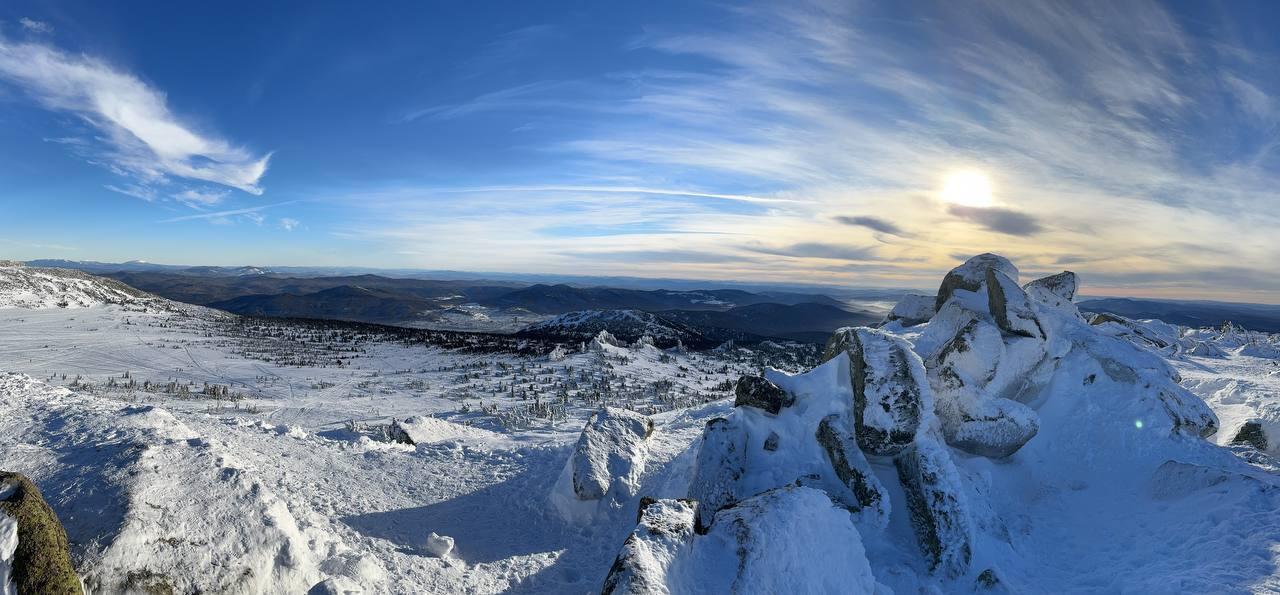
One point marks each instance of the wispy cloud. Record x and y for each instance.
(139, 136)
(251, 214)
(289, 223)
(35, 26)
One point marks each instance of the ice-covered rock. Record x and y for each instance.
(886, 377)
(721, 463)
(912, 309)
(758, 392)
(994, 427)
(850, 466)
(935, 501)
(1055, 291)
(664, 532)
(1010, 306)
(971, 275)
(786, 540)
(606, 463)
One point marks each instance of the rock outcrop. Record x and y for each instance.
(758, 392)
(606, 463)
(42, 560)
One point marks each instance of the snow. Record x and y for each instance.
(8, 545)
(286, 481)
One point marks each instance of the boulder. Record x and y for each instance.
(912, 310)
(610, 453)
(785, 540)
(936, 504)
(722, 460)
(1057, 291)
(1010, 306)
(851, 467)
(990, 427)
(758, 392)
(886, 391)
(972, 274)
(969, 359)
(1251, 434)
(1188, 412)
(663, 532)
(42, 560)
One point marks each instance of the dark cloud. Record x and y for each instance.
(819, 250)
(1000, 220)
(873, 223)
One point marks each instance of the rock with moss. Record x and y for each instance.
(42, 560)
(758, 392)
(971, 275)
(936, 505)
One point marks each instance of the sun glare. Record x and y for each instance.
(969, 188)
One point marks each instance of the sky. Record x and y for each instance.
(859, 144)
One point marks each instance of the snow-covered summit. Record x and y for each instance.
(982, 449)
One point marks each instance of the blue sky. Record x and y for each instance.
(812, 142)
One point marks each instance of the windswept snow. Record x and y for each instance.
(193, 450)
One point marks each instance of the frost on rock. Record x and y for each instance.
(936, 503)
(664, 532)
(1055, 291)
(610, 454)
(786, 540)
(993, 428)
(971, 275)
(758, 392)
(722, 460)
(1010, 306)
(912, 310)
(851, 466)
(886, 378)
(1251, 434)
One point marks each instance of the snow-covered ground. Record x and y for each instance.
(185, 449)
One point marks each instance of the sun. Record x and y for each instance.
(970, 188)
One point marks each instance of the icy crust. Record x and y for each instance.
(606, 464)
(147, 503)
(786, 540)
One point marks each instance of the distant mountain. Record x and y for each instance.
(1258, 317)
(808, 322)
(627, 325)
(357, 304)
(559, 299)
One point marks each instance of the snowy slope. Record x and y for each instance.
(24, 287)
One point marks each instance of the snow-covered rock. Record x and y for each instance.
(421, 429)
(1010, 306)
(438, 545)
(721, 463)
(1056, 291)
(935, 501)
(971, 276)
(912, 309)
(606, 463)
(887, 379)
(786, 540)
